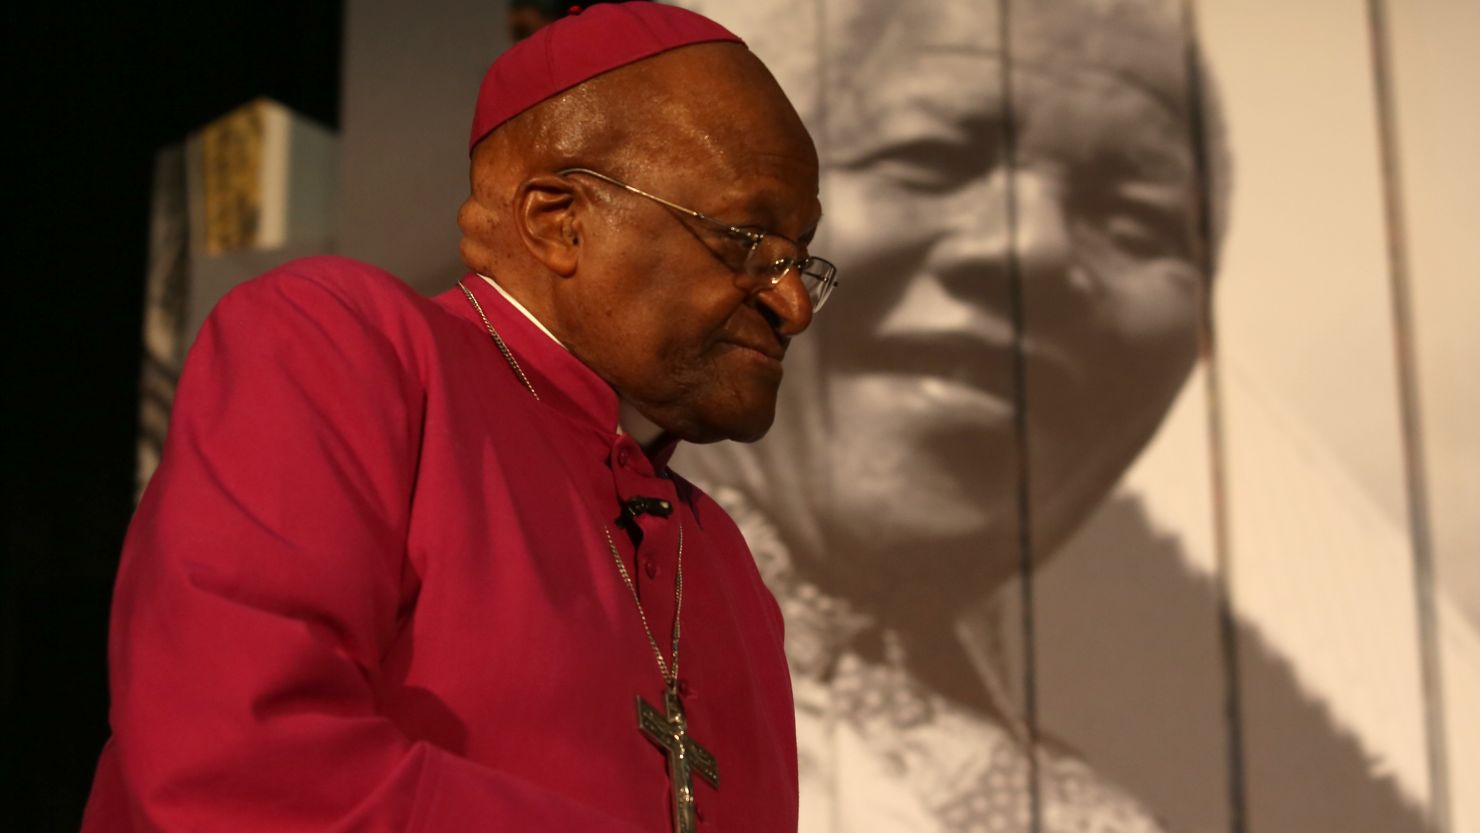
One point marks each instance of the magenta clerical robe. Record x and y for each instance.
(368, 588)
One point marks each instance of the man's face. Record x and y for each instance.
(668, 315)
(923, 346)
(912, 457)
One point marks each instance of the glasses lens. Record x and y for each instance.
(819, 276)
(774, 256)
(770, 258)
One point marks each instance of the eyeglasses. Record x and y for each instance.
(769, 258)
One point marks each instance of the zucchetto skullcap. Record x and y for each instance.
(580, 47)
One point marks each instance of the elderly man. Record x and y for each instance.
(421, 565)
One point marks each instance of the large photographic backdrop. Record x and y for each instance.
(1128, 481)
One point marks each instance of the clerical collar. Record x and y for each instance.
(630, 421)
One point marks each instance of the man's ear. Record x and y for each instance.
(546, 217)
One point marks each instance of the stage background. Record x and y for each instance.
(1241, 633)
(100, 90)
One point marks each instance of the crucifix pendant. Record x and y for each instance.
(670, 732)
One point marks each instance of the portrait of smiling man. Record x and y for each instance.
(414, 564)
(887, 508)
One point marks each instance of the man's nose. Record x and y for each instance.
(1040, 241)
(1012, 226)
(789, 305)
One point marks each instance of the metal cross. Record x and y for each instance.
(685, 756)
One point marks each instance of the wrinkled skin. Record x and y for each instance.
(651, 301)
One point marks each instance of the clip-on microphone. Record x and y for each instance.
(641, 505)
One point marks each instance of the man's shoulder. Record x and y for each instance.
(329, 280)
(332, 292)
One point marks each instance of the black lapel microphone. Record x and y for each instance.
(646, 506)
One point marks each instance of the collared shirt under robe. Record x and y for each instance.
(368, 588)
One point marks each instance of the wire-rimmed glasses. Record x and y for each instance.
(768, 257)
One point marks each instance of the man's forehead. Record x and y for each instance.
(1140, 41)
(720, 117)
(740, 183)
(972, 23)
(944, 84)
(791, 192)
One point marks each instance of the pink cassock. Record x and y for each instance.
(368, 588)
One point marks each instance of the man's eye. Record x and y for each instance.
(731, 249)
(746, 237)
(1144, 230)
